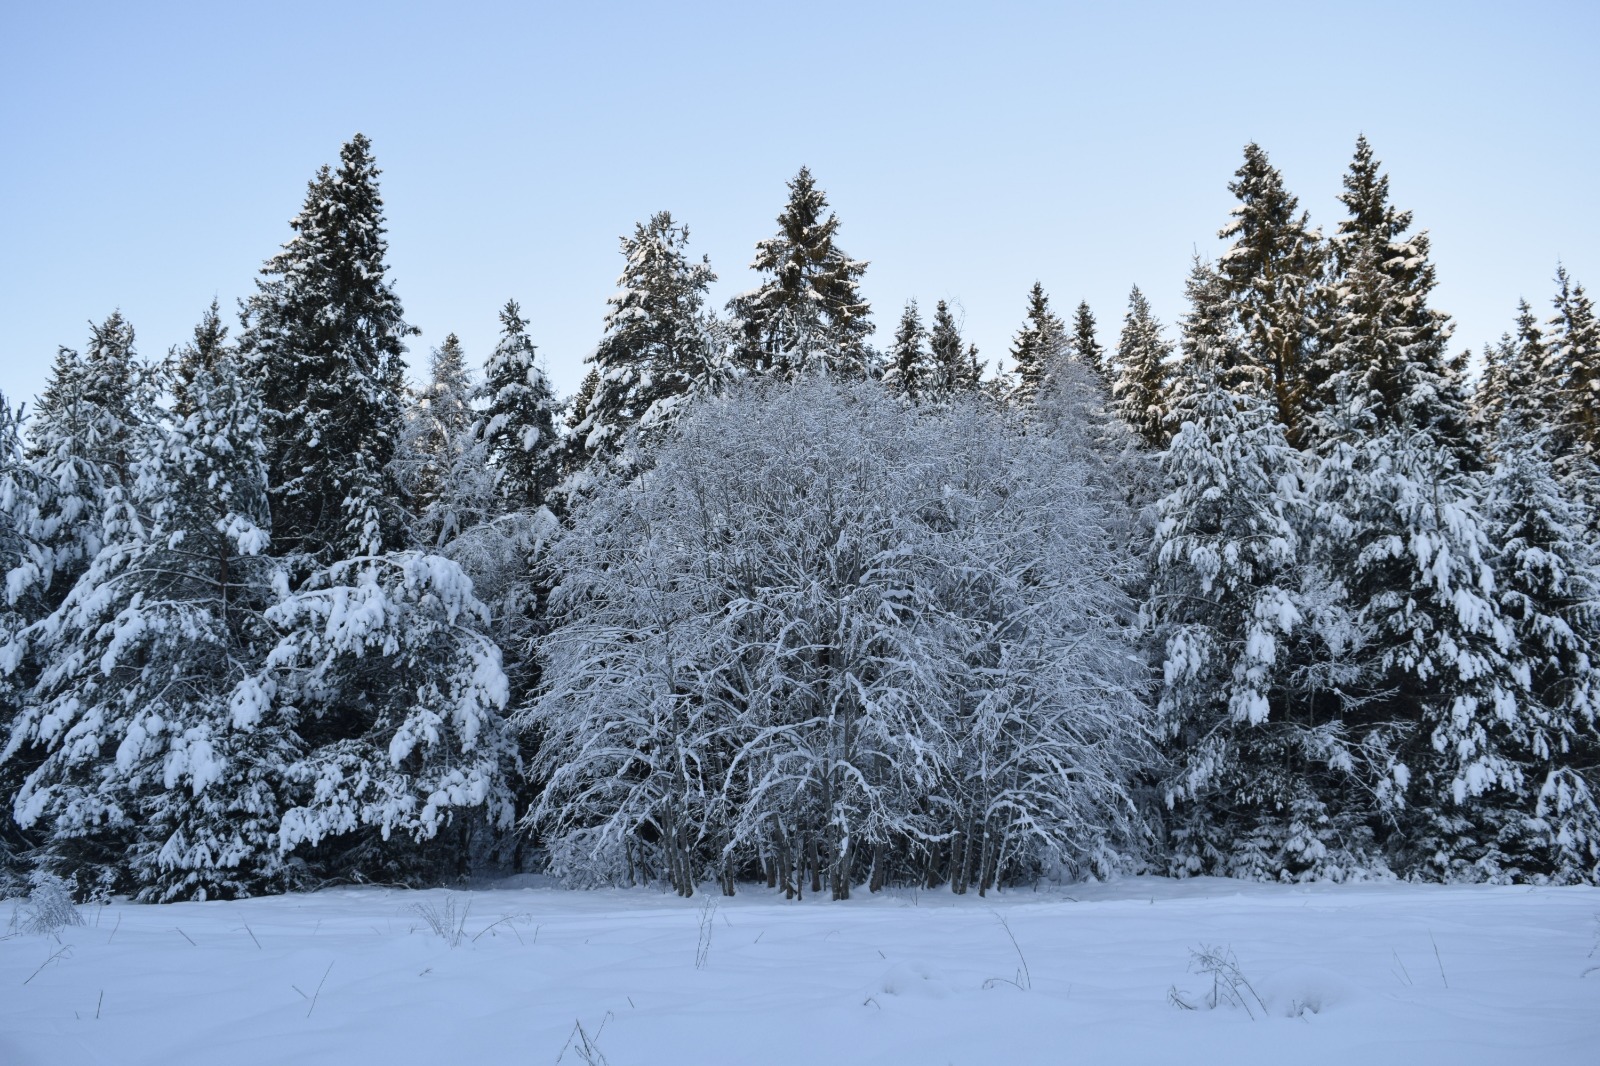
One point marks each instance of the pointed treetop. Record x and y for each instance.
(201, 354)
(1140, 388)
(808, 314)
(955, 367)
(908, 370)
(1086, 347)
(1571, 378)
(1272, 272)
(517, 426)
(659, 345)
(1038, 344)
(448, 363)
(1366, 196)
(325, 333)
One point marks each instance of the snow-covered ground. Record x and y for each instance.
(1360, 974)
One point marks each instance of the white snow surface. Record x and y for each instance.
(1367, 974)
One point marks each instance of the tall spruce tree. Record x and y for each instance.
(1272, 269)
(1038, 344)
(1548, 588)
(808, 313)
(1384, 346)
(908, 373)
(1257, 784)
(1435, 696)
(661, 344)
(1436, 692)
(325, 333)
(1140, 386)
(518, 423)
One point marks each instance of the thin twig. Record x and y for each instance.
(114, 929)
(59, 952)
(187, 937)
(502, 921)
(1027, 978)
(99, 1003)
(252, 935)
(318, 992)
(1437, 959)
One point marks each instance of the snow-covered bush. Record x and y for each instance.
(831, 638)
(48, 908)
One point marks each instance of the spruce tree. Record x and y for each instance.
(1085, 346)
(1384, 346)
(19, 555)
(1211, 335)
(1570, 377)
(954, 368)
(1432, 689)
(909, 373)
(1547, 587)
(573, 455)
(325, 333)
(971, 377)
(209, 346)
(1140, 387)
(517, 425)
(154, 779)
(1038, 344)
(1256, 787)
(661, 344)
(19, 552)
(808, 313)
(1272, 271)
(1510, 390)
(80, 454)
(443, 467)
(385, 673)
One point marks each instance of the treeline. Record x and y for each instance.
(1293, 597)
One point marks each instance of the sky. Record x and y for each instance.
(152, 154)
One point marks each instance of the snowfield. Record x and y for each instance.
(1340, 974)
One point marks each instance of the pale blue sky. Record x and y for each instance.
(152, 154)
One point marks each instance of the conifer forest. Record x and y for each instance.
(801, 595)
